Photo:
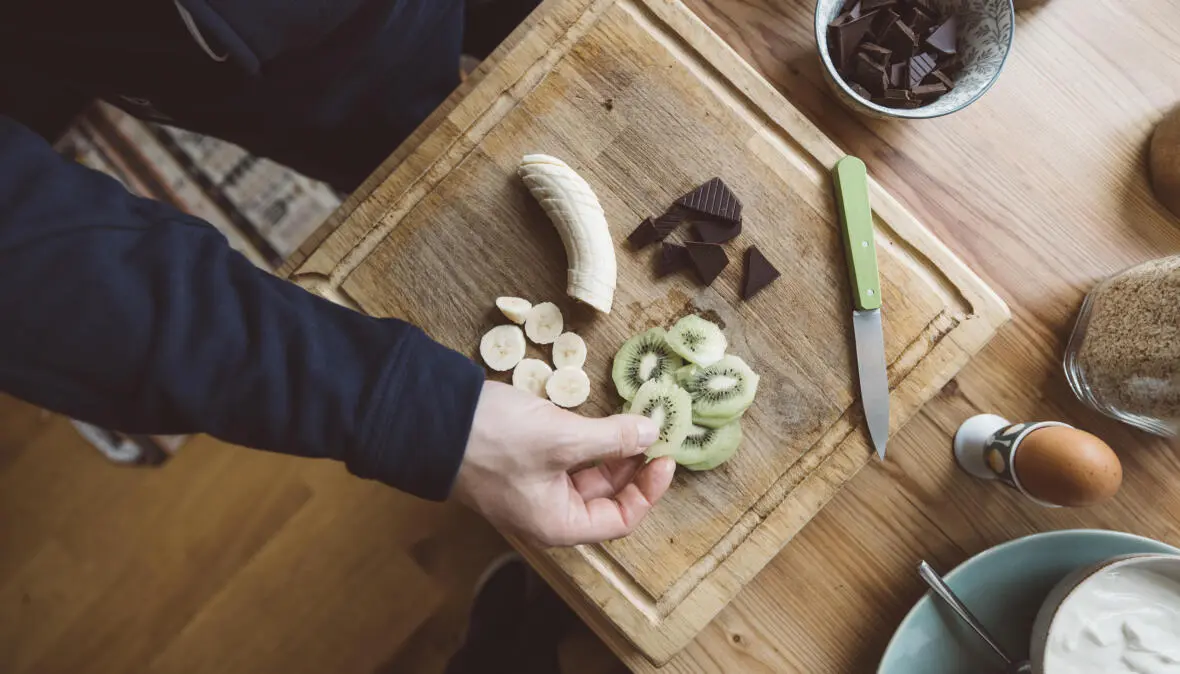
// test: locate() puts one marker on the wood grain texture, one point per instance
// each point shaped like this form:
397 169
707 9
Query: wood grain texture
646 102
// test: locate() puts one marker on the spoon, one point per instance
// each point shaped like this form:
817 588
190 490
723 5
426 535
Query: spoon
945 593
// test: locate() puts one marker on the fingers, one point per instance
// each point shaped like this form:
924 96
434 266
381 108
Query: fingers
606 439
603 519
607 478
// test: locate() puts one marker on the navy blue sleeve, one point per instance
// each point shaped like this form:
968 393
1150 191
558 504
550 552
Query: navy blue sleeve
128 314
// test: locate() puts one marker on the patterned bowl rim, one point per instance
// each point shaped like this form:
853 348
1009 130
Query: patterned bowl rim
821 43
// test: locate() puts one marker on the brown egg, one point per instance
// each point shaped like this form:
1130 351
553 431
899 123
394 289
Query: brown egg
1068 467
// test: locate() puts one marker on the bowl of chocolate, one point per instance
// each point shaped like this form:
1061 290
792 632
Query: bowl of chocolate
912 59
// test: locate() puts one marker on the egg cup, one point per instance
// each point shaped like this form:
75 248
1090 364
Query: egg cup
986 446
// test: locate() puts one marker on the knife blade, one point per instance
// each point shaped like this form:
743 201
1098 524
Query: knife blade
856 219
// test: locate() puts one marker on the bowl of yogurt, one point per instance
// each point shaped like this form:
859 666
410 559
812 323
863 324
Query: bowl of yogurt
1120 616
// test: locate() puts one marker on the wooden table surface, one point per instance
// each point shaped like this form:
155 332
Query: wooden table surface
1041 188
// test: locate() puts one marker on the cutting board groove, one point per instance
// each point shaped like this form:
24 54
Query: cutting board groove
646 103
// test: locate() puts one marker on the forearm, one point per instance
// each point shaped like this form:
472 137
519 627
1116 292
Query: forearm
126 313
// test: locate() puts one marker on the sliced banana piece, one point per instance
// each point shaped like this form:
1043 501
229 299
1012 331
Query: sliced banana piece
569 350
502 347
514 308
531 375
571 204
568 387
544 323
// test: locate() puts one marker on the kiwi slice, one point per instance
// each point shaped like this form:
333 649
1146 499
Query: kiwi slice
671 408
643 358
709 445
721 392
698 340
686 373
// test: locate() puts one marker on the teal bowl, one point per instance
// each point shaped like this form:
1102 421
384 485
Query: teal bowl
1004 587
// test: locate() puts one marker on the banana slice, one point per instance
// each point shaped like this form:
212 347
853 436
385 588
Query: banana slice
569 350
516 309
531 375
544 323
568 387
571 204
502 347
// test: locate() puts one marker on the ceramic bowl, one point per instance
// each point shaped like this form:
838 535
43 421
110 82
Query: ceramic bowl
1075 584
985 38
1005 587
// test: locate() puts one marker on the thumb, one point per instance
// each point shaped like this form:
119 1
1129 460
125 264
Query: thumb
616 437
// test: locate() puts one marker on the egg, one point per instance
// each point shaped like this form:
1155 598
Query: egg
1067 467
1165 161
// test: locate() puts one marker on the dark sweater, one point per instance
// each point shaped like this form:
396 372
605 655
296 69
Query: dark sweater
126 313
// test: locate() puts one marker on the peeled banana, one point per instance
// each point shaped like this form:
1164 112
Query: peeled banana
570 203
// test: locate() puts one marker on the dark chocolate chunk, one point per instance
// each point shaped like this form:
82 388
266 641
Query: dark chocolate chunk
929 90
870 5
897 76
920 66
883 20
860 91
900 39
713 231
897 95
846 33
759 273
871 75
672 259
668 222
876 52
950 64
644 235
853 9
940 77
713 198
918 20
708 259
945 37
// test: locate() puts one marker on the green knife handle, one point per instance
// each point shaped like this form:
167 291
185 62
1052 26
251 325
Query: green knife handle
852 200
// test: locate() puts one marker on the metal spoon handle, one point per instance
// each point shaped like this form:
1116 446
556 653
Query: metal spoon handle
944 591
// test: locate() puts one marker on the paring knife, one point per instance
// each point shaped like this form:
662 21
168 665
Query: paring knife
852 200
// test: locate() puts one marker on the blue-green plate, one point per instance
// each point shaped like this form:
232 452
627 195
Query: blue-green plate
1004 587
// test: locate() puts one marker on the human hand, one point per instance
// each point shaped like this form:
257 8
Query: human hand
528 469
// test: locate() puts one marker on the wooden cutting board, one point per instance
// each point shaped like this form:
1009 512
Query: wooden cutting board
645 102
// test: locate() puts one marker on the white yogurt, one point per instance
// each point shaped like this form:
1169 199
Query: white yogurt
1124 621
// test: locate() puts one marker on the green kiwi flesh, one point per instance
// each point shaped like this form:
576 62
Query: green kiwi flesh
644 357
721 392
709 445
671 408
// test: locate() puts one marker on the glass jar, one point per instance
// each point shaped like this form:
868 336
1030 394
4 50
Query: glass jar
1123 358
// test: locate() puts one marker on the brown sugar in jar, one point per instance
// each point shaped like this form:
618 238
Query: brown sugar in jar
1124 356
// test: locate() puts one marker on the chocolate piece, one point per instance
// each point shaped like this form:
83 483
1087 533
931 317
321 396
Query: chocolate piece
900 39
851 7
846 33
759 273
897 95
644 235
883 20
672 259
950 64
713 198
871 75
876 52
668 222
860 91
940 77
712 231
918 20
929 90
945 37
920 66
708 259
870 5
897 76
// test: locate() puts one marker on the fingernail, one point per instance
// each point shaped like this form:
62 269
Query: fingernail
649 432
